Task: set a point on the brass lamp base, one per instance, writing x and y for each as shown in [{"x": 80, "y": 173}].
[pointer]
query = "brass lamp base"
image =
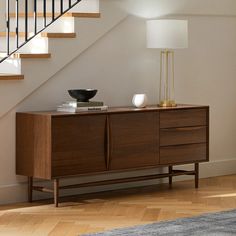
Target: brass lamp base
[
  {"x": 167, "y": 85},
  {"x": 167, "y": 103}
]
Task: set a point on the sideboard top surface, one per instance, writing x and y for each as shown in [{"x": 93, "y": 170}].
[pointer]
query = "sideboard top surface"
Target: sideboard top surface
[{"x": 116, "y": 110}]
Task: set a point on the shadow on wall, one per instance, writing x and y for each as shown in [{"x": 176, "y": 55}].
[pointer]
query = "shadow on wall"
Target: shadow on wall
[{"x": 158, "y": 8}]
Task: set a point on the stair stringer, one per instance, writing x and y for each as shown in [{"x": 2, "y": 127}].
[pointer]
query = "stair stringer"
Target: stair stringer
[{"x": 63, "y": 51}]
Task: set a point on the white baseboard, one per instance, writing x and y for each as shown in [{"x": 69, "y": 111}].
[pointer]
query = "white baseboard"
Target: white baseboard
[{"x": 18, "y": 192}]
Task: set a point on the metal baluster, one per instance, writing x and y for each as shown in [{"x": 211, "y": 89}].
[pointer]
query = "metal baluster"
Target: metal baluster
[
  {"x": 17, "y": 23},
  {"x": 45, "y": 12},
  {"x": 61, "y": 6},
  {"x": 35, "y": 17},
  {"x": 26, "y": 20},
  {"x": 8, "y": 26},
  {"x": 69, "y": 3},
  {"x": 53, "y": 10}
]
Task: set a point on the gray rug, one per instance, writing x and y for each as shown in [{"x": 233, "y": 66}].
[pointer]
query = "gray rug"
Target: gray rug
[{"x": 217, "y": 224}]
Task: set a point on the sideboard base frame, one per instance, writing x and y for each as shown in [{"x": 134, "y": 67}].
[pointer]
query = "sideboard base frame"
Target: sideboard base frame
[{"x": 55, "y": 191}]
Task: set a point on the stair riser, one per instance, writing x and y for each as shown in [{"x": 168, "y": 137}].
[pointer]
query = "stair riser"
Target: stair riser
[
  {"x": 11, "y": 66},
  {"x": 64, "y": 25},
  {"x": 86, "y": 6},
  {"x": 37, "y": 45},
  {"x": 83, "y": 6}
]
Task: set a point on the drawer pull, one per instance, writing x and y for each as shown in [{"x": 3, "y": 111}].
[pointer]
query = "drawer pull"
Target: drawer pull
[{"x": 186, "y": 128}]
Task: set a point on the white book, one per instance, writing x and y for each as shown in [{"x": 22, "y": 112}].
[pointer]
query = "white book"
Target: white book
[
  {"x": 84, "y": 104},
  {"x": 80, "y": 109}
]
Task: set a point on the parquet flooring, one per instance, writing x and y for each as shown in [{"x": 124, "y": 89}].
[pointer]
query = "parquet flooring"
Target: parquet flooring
[{"x": 117, "y": 209}]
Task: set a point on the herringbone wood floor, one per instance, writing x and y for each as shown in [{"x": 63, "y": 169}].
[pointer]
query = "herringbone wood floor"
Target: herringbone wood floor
[{"x": 118, "y": 209}]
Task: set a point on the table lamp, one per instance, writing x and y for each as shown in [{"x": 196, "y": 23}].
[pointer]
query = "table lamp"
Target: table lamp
[{"x": 167, "y": 35}]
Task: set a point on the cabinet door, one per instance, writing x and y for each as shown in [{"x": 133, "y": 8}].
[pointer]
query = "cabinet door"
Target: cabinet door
[
  {"x": 78, "y": 145},
  {"x": 134, "y": 140}
]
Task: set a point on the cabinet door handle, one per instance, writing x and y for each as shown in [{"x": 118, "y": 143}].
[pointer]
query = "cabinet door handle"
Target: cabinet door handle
[{"x": 108, "y": 137}]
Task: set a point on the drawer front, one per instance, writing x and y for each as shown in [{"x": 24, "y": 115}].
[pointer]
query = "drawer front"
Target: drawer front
[
  {"x": 183, "y": 118},
  {"x": 183, "y": 135},
  {"x": 183, "y": 154}
]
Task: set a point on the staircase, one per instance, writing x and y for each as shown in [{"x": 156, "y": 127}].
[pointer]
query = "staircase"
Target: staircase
[
  {"x": 35, "y": 21},
  {"x": 45, "y": 36}
]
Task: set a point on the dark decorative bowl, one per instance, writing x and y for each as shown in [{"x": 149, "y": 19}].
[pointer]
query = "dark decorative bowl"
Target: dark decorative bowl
[{"x": 82, "y": 95}]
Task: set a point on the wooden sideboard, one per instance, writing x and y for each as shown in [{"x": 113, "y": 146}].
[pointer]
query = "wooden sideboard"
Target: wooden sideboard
[{"x": 55, "y": 145}]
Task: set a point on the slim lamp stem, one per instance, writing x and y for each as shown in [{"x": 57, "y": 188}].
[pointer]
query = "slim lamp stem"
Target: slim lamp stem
[
  {"x": 167, "y": 84},
  {"x": 173, "y": 76},
  {"x": 167, "y": 75},
  {"x": 160, "y": 86}
]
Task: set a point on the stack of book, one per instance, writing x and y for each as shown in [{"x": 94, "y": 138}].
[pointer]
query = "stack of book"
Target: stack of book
[{"x": 74, "y": 106}]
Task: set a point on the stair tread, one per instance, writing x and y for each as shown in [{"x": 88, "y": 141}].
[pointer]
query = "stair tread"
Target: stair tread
[
  {"x": 68, "y": 14},
  {"x": 26, "y": 55},
  {"x": 11, "y": 76},
  {"x": 44, "y": 34},
  {"x": 58, "y": 35},
  {"x": 32, "y": 55}
]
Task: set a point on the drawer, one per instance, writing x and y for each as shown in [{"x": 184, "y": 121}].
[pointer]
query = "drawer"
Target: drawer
[
  {"x": 183, "y": 154},
  {"x": 183, "y": 135},
  {"x": 183, "y": 118}
]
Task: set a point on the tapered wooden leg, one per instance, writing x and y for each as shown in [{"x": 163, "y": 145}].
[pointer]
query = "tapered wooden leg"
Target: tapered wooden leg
[
  {"x": 170, "y": 177},
  {"x": 56, "y": 192},
  {"x": 196, "y": 175},
  {"x": 30, "y": 189}
]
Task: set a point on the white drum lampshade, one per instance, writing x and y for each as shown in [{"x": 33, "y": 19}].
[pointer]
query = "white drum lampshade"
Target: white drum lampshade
[{"x": 167, "y": 35}]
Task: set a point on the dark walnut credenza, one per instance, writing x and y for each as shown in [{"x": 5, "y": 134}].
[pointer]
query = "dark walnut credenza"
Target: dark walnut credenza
[{"x": 55, "y": 145}]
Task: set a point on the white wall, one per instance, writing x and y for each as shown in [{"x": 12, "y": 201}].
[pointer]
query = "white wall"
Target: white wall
[
  {"x": 119, "y": 65},
  {"x": 2, "y": 15}
]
